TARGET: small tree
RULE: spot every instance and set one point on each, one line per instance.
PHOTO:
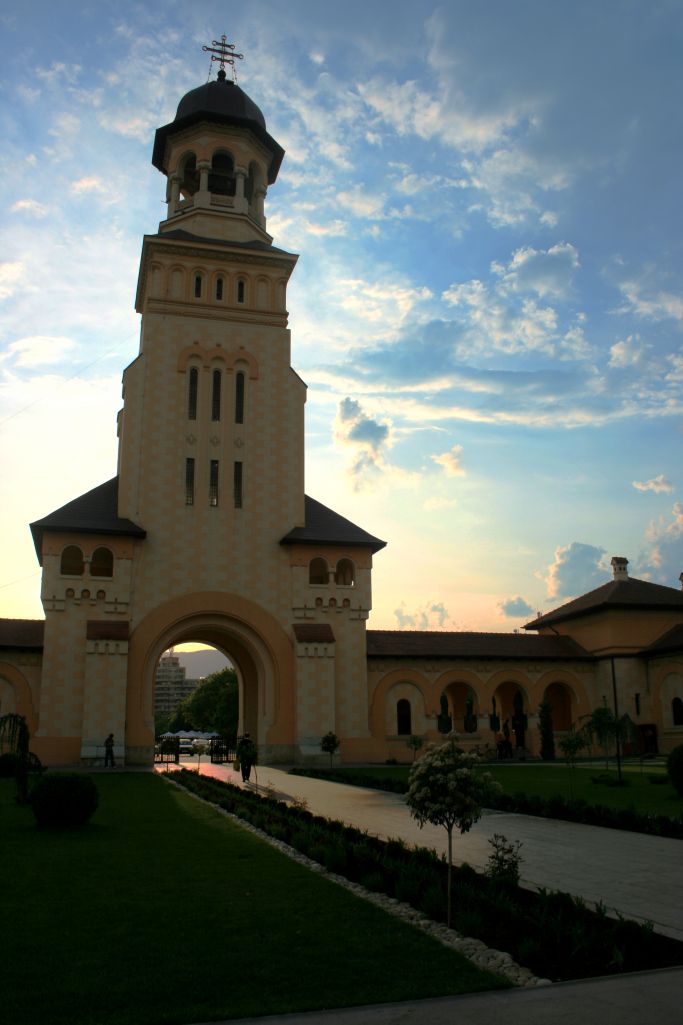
(545, 727)
(330, 744)
(200, 749)
(446, 789)
(570, 745)
(601, 725)
(414, 743)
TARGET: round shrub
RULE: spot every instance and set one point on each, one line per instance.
(8, 765)
(64, 801)
(674, 766)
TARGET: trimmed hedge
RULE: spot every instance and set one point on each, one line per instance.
(553, 934)
(576, 810)
(64, 801)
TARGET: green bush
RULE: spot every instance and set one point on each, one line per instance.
(8, 765)
(64, 801)
(674, 767)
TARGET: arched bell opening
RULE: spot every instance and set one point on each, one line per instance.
(222, 174)
(189, 176)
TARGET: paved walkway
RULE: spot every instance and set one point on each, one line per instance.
(639, 876)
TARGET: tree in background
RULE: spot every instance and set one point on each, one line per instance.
(571, 743)
(446, 789)
(329, 744)
(212, 708)
(14, 733)
(545, 728)
(414, 743)
(601, 725)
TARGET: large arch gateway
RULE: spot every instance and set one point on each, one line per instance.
(205, 532)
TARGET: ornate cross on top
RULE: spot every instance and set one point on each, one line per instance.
(224, 53)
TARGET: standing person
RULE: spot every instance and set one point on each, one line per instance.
(246, 752)
(109, 751)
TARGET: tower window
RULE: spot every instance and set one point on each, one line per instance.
(344, 574)
(213, 482)
(240, 291)
(239, 398)
(219, 289)
(192, 385)
(317, 571)
(237, 485)
(72, 561)
(189, 481)
(102, 563)
(216, 395)
(197, 286)
(403, 718)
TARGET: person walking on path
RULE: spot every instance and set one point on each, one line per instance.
(246, 752)
(109, 751)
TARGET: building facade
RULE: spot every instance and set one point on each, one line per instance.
(206, 533)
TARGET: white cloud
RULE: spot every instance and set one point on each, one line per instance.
(450, 462)
(88, 184)
(664, 558)
(30, 206)
(651, 303)
(362, 202)
(545, 272)
(433, 615)
(628, 352)
(11, 274)
(576, 568)
(658, 484)
(39, 350)
(516, 608)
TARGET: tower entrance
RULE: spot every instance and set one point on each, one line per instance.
(251, 640)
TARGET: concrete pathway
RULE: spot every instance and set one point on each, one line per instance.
(639, 876)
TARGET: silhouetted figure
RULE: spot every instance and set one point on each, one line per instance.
(109, 751)
(246, 752)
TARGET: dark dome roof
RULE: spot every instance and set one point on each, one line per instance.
(222, 101)
(223, 98)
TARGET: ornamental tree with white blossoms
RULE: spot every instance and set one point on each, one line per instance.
(446, 788)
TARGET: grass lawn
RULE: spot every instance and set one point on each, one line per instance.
(551, 780)
(161, 910)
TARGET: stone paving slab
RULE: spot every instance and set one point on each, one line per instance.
(636, 875)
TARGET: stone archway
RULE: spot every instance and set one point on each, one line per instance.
(254, 642)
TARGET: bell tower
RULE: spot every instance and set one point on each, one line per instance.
(211, 436)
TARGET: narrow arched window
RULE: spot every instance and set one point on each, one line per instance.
(239, 398)
(677, 711)
(192, 386)
(189, 481)
(197, 286)
(241, 289)
(404, 722)
(213, 482)
(71, 564)
(216, 395)
(237, 485)
(219, 289)
(102, 563)
(318, 572)
(345, 573)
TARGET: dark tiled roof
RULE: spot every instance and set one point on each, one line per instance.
(617, 594)
(444, 644)
(185, 236)
(313, 633)
(325, 527)
(96, 512)
(107, 630)
(22, 633)
(672, 640)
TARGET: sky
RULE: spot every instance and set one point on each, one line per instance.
(487, 307)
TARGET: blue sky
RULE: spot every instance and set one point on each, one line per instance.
(487, 308)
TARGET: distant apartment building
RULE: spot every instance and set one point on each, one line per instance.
(171, 685)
